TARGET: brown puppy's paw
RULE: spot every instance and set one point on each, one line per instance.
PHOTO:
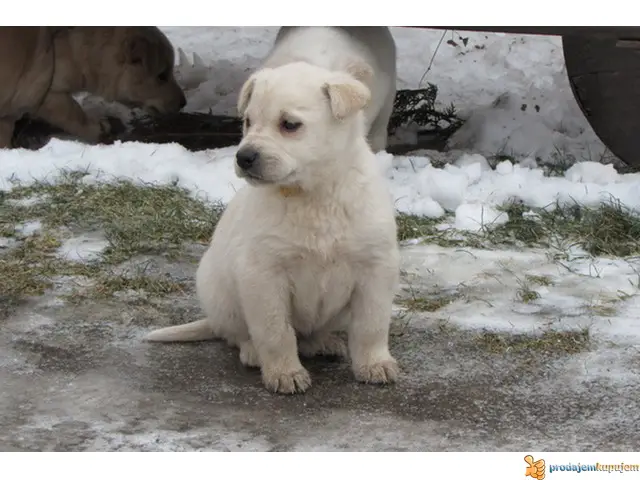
(286, 382)
(328, 345)
(31, 142)
(382, 372)
(110, 128)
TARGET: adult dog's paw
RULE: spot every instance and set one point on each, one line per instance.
(383, 372)
(286, 382)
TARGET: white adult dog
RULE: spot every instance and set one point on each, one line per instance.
(345, 49)
(309, 247)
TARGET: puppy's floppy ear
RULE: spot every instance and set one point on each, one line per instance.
(247, 90)
(346, 95)
(245, 94)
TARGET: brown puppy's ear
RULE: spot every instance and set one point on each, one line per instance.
(346, 95)
(139, 50)
(245, 95)
(60, 30)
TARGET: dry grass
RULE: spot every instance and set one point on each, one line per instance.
(134, 219)
(610, 229)
(549, 342)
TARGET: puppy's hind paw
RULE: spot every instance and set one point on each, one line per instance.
(329, 346)
(382, 372)
(248, 355)
(287, 382)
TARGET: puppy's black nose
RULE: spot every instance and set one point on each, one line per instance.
(246, 157)
(183, 102)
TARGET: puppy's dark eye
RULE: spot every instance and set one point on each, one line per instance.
(164, 76)
(247, 122)
(290, 127)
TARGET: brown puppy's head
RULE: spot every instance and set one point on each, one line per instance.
(139, 71)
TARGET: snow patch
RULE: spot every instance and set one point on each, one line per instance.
(477, 218)
(84, 248)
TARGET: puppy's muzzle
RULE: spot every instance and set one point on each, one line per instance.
(156, 108)
(247, 158)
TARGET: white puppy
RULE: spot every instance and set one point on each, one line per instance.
(368, 53)
(309, 247)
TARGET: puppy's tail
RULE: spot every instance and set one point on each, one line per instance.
(189, 332)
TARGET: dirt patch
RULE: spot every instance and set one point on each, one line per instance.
(203, 131)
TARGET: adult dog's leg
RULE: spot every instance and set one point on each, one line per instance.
(371, 308)
(6, 132)
(378, 133)
(61, 110)
(266, 306)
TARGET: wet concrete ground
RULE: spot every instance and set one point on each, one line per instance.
(78, 378)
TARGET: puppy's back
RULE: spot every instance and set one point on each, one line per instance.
(327, 46)
(336, 48)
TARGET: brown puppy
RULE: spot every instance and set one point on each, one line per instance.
(42, 67)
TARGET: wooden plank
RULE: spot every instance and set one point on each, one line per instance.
(615, 32)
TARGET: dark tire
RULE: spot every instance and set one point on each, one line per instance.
(604, 74)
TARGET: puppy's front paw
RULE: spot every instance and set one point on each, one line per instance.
(382, 372)
(286, 382)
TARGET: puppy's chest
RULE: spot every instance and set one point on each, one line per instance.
(323, 249)
(320, 289)
(321, 234)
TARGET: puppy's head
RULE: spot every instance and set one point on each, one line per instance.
(140, 71)
(297, 119)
